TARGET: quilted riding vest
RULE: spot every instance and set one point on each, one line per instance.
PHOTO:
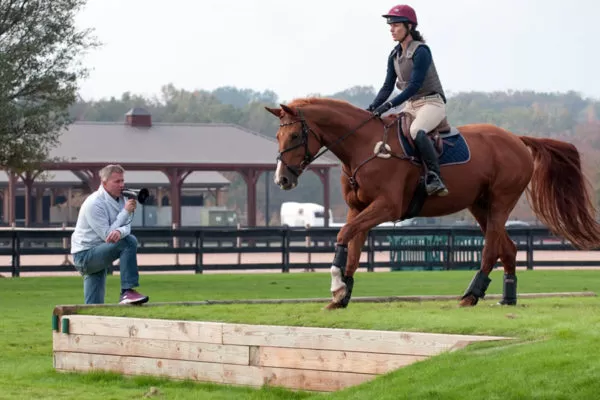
(403, 64)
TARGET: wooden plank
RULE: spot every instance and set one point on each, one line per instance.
(174, 369)
(145, 328)
(331, 360)
(153, 348)
(409, 343)
(209, 372)
(299, 379)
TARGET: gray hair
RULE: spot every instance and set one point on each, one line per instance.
(110, 169)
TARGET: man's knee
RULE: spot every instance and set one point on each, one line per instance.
(130, 241)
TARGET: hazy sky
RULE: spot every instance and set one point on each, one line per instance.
(323, 46)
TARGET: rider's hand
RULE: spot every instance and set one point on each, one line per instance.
(382, 108)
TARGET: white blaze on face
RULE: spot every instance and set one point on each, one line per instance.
(278, 172)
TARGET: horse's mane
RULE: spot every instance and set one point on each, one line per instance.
(324, 101)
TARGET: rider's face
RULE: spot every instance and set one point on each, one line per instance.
(398, 31)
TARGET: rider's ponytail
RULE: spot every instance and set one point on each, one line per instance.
(416, 35)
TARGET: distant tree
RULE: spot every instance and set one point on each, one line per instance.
(40, 48)
(360, 96)
(239, 98)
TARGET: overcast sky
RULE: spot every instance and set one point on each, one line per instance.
(297, 48)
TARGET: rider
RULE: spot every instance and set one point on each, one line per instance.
(411, 67)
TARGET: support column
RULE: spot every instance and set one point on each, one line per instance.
(69, 202)
(28, 181)
(6, 205)
(250, 177)
(323, 174)
(39, 205)
(220, 197)
(267, 198)
(12, 193)
(176, 177)
(159, 195)
(28, 178)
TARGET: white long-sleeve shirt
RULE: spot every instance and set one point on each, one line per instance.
(100, 214)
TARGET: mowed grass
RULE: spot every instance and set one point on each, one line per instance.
(554, 355)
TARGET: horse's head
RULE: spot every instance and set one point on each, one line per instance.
(298, 144)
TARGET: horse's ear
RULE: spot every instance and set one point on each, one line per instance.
(288, 110)
(275, 111)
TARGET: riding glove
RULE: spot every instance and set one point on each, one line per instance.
(382, 108)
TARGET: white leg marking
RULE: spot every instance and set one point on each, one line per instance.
(336, 278)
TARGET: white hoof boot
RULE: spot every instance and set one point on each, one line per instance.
(336, 278)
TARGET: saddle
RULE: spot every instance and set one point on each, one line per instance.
(437, 134)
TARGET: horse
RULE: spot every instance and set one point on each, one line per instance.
(382, 181)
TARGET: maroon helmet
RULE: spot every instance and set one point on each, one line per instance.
(401, 13)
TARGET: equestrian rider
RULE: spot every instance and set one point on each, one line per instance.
(411, 68)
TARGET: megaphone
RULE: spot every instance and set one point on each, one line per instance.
(140, 195)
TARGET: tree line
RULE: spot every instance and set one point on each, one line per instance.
(567, 116)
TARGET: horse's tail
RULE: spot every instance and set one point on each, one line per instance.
(559, 193)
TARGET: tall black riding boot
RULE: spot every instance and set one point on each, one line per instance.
(434, 186)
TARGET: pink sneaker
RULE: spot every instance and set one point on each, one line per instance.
(132, 297)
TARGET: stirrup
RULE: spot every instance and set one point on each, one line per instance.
(436, 181)
(441, 189)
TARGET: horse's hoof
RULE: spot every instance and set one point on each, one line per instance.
(468, 301)
(338, 295)
(506, 303)
(333, 306)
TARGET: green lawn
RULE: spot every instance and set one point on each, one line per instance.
(554, 355)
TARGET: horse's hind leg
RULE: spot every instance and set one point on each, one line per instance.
(492, 217)
(509, 261)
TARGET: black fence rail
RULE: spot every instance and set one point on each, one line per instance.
(401, 248)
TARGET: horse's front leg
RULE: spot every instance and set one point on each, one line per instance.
(342, 277)
(350, 241)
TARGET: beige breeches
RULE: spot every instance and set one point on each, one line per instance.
(427, 111)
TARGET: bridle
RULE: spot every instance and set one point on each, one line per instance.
(308, 158)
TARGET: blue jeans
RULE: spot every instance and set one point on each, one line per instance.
(94, 263)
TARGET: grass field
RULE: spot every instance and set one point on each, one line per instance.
(554, 356)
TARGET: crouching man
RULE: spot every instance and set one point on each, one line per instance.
(102, 235)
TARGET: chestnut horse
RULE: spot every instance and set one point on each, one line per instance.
(377, 189)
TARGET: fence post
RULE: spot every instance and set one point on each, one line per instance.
(529, 249)
(175, 244)
(238, 245)
(199, 251)
(285, 250)
(371, 253)
(307, 243)
(450, 260)
(66, 245)
(16, 250)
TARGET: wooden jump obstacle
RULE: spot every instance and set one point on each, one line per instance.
(300, 358)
